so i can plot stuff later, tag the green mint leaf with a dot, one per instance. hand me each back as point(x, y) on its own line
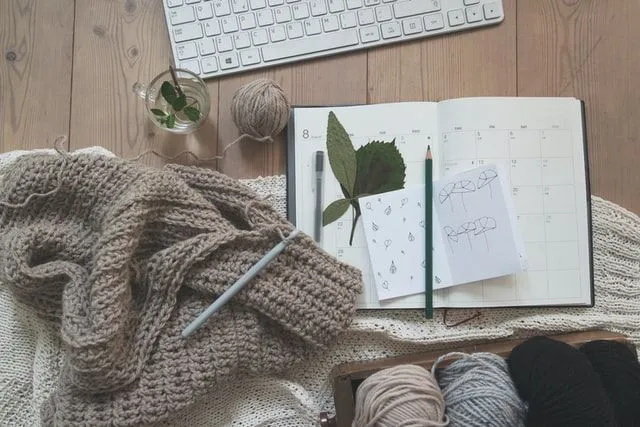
point(192, 113)
point(168, 92)
point(342, 155)
point(380, 168)
point(171, 121)
point(179, 103)
point(158, 112)
point(334, 211)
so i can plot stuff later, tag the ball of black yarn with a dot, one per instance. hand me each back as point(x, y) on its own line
point(619, 372)
point(559, 385)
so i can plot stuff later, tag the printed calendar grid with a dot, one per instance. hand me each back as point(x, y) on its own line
point(509, 135)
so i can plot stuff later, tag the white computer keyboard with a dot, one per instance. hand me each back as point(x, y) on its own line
point(220, 37)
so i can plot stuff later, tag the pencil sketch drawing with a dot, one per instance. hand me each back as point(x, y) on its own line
point(477, 227)
point(485, 179)
point(460, 188)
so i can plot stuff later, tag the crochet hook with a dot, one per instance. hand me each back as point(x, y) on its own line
point(238, 285)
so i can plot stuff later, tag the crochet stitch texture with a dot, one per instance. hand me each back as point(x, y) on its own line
point(121, 257)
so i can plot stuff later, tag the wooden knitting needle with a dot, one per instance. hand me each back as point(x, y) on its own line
point(238, 285)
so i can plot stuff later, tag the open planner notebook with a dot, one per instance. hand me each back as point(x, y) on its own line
point(538, 143)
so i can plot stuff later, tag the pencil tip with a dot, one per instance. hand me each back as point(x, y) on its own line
point(428, 155)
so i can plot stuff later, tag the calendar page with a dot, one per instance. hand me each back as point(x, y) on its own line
point(412, 125)
point(540, 143)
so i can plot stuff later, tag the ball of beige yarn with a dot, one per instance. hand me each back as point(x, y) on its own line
point(404, 395)
point(260, 109)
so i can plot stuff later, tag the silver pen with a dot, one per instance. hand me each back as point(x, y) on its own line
point(319, 168)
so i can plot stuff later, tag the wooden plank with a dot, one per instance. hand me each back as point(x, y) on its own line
point(36, 41)
point(347, 375)
point(470, 63)
point(118, 44)
point(336, 80)
point(586, 49)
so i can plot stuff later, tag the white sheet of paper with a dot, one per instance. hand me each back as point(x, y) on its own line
point(477, 225)
point(394, 230)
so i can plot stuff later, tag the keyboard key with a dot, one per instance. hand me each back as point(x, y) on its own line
point(276, 2)
point(241, 40)
point(371, 2)
point(369, 34)
point(247, 21)
point(229, 24)
point(388, 1)
point(300, 11)
point(470, 2)
point(455, 17)
point(204, 11)
point(312, 26)
point(354, 4)
point(221, 7)
point(259, 37)
point(283, 14)
point(193, 66)
point(277, 33)
point(250, 56)
point(336, 6)
point(181, 15)
point(330, 23)
point(265, 17)
point(348, 20)
point(206, 46)
point(186, 51)
point(212, 27)
point(295, 30)
point(258, 4)
point(209, 65)
point(228, 61)
point(390, 30)
point(433, 22)
point(292, 1)
point(365, 17)
point(192, 1)
point(492, 10)
point(239, 6)
point(415, 7)
point(292, 48)
point(383, 13)
point(224, 43)
point(473, 14)
point(412, 26)
point(318, 7)
point(186, 32)
point(174, 3)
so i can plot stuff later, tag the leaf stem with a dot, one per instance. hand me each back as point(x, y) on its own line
point(175, 81)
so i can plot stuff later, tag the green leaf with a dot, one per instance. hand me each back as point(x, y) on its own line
point(334, 211)
point(192, 113)
point(171, 121)
point(168, 92)
point(158, 112)
point(342, 155)
point(179, 103)
point(380, 168)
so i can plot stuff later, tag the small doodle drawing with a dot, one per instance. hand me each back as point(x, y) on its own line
point(374, 226)
point(368, 206)
point(404, 219)
point(479, 226)
point(387, 243)
point(411, 237)
point(385, 285)
point(483, 225)
point(421, 223)
point(393, 268)
point(486, 178)
point(388, 210)
point(459, 187)
point(403, 202)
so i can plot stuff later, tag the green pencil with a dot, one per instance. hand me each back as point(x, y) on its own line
point(428, 226)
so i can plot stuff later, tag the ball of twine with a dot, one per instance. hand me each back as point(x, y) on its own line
point(404, 395)
point(478, 391)
point(260, 109)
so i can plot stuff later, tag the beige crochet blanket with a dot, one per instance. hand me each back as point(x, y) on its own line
point(30, 356)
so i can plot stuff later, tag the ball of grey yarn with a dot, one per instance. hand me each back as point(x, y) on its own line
point(478, 391)
point(403, 395)
point(260, 109)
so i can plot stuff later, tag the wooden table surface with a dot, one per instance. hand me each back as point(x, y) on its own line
point(68, 67)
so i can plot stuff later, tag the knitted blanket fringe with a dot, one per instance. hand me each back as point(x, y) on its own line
point(31, 356)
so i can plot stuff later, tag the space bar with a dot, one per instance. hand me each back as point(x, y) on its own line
point(327, 41)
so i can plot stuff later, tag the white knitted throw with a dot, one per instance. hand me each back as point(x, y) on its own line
point(30, 354)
